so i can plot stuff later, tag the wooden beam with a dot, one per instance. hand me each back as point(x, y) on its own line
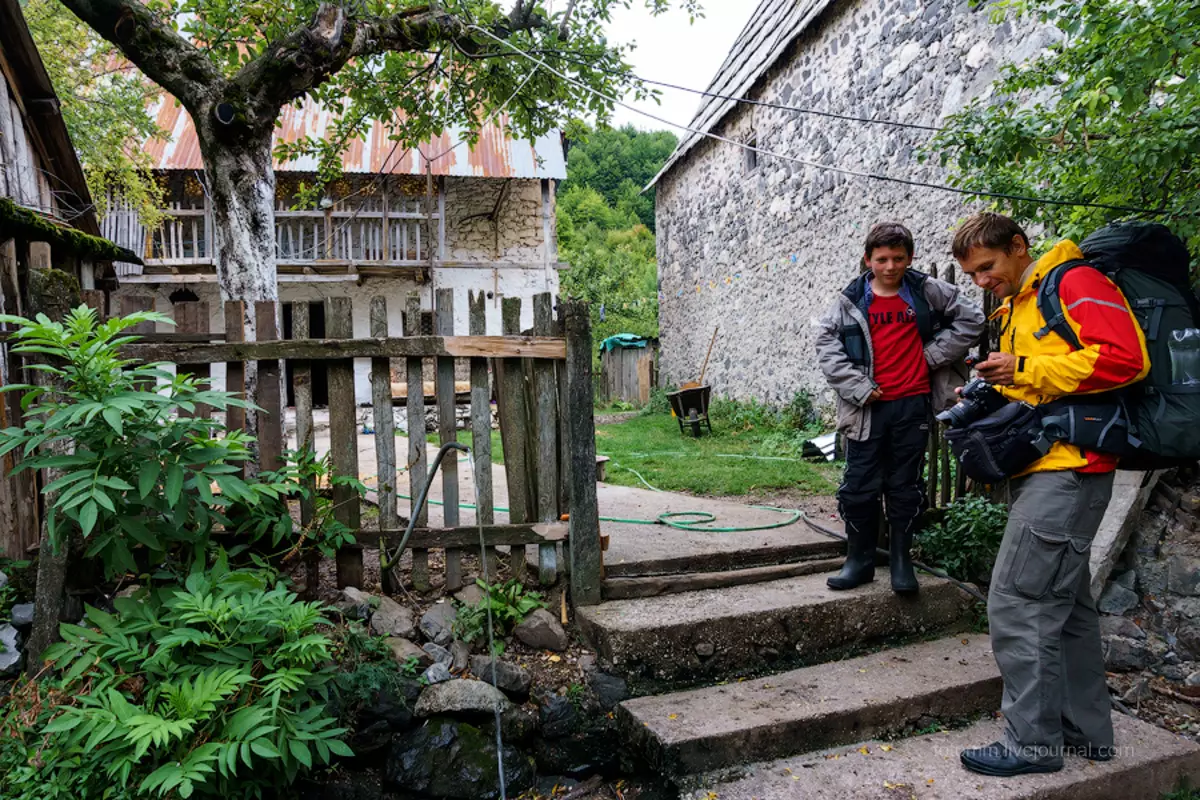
point(338, 349)
point(586, 563)
point(343, 440)
point(468, 536)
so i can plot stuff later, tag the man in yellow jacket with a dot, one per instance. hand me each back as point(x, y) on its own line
point(1044, 625)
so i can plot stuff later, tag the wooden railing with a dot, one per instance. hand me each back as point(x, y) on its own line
point(543, 387)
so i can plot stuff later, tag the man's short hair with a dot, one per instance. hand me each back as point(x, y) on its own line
point(890, 234)
point(988, 230)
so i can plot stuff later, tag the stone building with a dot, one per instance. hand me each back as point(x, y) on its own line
point(759, 245)
point(435, 216)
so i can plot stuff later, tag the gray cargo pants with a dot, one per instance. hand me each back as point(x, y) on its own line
point(1044, 626)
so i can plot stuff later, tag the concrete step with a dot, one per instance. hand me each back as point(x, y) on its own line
point(737, 630)
point(655, 585)
point(807, 709)
point(1149, 762)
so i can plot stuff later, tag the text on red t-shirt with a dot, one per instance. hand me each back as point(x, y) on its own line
point(900, 368)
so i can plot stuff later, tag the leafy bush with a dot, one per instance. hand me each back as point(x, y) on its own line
point(142, 470)
point(510, 603)
point(215, 689)
point(965, 541)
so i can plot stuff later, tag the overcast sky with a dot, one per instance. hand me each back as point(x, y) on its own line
point(671, 50)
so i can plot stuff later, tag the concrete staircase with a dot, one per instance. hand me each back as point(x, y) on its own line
point(783, 689)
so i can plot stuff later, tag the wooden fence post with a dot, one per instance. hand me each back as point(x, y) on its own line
point(514, 417)
point(546, 419)
point(302, 386)
point(385, 431)
point(417, 459)
point(235, 371)
point(343, 439)
point(192, 317)
point(481, 428)
point(443, 325)
point(586, 565)
point(270, 419)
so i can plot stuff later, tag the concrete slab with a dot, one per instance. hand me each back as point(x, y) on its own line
point(1131, 491)
point(1151, 761)
point(807, 709)
point(633, 549)
point(719, 633)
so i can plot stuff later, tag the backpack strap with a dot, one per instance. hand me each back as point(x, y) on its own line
point(1050, 304)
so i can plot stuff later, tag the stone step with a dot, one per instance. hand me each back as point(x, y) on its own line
point(807, 709)
point(737, 630)
point(1149, 762)
point(655, 585)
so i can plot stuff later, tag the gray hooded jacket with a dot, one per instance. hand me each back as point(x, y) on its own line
point(950, 324)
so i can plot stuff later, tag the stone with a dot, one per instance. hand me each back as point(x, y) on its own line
point(10, 655)
point(610, 690)
point(1190, 502)
point(1128, 579)
point(509, 677)
point(460, 653)
point(978, 54)
point(1117, 600)
point(461, 697)
point(1193, 679)
point(392, 619)
point(1120, 626)
point(1183, 575)
point(371, 738)
point(439, 654)
point(129, 591)
point(344, 784)
point(22, 615)
point(1126, 655)
point(437, 622)
point(3, 580)
point(456, 760)
point(437, 674)
point(1172, 672)
point(587, 663)
point(469, 595)
point(355, 604)
point(705, 649)
point(541, 630)
point(1139, 692)
point(558, 716)
point(403, 651)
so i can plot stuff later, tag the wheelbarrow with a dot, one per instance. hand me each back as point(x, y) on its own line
point(690, 407)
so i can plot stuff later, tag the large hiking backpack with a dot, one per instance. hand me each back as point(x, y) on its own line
point(1152, 268)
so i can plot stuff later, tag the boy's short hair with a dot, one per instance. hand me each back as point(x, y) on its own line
point(989, 230)
point(889, 234)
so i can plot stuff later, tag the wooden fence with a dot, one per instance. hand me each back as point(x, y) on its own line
point(628, 373)
point(944, 482)
point(542, 383)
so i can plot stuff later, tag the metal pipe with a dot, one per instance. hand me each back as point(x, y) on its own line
point(386, 563)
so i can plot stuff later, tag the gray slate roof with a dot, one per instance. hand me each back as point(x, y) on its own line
point(773, 26)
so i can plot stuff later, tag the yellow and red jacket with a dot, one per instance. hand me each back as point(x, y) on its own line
point(1113, 355)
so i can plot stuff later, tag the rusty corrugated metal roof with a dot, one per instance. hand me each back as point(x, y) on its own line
point(495, 155)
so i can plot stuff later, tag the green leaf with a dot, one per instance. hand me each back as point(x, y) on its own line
point(300, 752)
point(113, 417)
point(148, 476)
point(339, 748)
point(174, 484)
point(87, 517)
point(264, 748)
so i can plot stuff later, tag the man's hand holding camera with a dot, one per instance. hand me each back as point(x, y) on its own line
point(1000, 369)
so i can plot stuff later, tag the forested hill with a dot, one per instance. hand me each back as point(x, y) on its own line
point(606, 227)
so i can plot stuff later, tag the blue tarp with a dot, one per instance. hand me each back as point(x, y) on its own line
point(623, 340)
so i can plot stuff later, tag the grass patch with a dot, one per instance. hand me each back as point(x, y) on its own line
point(715, 464)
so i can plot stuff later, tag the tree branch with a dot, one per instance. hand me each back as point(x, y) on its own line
point(158, 51)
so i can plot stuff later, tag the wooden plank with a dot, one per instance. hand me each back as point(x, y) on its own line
point(465, 537)
point(385, 430)
point(302, 389)
point(564, 453)
point(417, 458)
point(235, 369)
point(586, 564)
point(192, 318)
point(270, 418)
point(514, 417)
point(343, 439)
point(655, 585)
point(481, 430)
point(95, 298)
point(443, 321)
point(538, 347)
point(132, 303)
point(546, 420)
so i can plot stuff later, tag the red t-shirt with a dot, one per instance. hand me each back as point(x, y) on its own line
point(900, 368)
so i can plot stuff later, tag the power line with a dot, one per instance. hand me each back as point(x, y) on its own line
point(830, 167)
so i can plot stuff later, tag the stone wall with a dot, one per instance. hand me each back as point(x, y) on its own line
point(761, 249)
point(517, 233)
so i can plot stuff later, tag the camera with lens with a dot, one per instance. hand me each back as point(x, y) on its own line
point(979, 400)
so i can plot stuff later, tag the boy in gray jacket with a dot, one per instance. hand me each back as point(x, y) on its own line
point(891, 346)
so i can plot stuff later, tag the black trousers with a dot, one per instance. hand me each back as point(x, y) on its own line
point(888, 464)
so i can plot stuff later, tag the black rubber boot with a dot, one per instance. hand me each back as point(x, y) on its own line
point(904, 577)
point(860, 556)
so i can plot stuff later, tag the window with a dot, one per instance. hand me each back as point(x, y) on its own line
point(751, 154)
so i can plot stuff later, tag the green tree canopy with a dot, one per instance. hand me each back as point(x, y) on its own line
point(1109, 114)
point(618, 163)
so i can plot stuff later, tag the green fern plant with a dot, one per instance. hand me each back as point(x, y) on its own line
point(215, 689)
